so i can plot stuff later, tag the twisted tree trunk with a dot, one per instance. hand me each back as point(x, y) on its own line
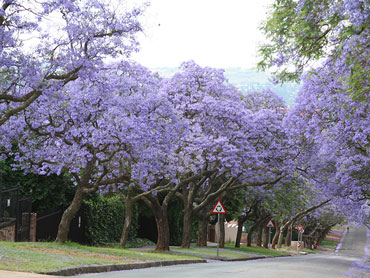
point(186, 228)
point(127, 223)
point(202, 228)
point(288, 240)
point(241, 221)
point(69, 214)
point(276, 235)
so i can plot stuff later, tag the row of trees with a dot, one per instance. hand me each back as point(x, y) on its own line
point(117, 127)
point(328, 42)
point(192, 135)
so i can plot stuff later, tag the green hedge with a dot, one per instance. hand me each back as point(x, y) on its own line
point(103, 220)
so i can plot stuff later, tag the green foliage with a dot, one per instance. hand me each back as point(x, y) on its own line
point(175, 219)
point(104, 218)
point(235, 203)
point(298, 37)
point(47, 191)
point(175, 222)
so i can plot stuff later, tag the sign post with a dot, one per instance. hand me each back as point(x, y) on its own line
point(300, 236)
point(218, 209)
point(270, 224)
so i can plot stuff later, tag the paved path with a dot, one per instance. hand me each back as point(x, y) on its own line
point(12, 274)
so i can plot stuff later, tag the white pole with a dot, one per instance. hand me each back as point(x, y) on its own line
point(298, 241)
point(269, 238)
point(218, 233)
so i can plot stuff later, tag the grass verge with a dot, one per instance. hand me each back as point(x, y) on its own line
point(48, 256)
point(229, 252)
point(329, 244)
point(259, 251)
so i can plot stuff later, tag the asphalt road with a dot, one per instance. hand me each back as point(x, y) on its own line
point(351, 260)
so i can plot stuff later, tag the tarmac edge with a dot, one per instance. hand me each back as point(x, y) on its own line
point(116, 267)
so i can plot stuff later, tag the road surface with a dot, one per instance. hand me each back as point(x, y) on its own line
point(352, 259)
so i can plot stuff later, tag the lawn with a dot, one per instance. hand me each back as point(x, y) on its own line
point(259, 251)
point(229, 252)
point(329, 244)
point(48, 256)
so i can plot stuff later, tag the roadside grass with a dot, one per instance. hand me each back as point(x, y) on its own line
point(48, 256)
point(329, 244)
point(210, 253)
point(338, 227)
point(258, 250)
point(229, 252)
point(134, 243)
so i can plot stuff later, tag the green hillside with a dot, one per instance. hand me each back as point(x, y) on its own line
point(250, 80)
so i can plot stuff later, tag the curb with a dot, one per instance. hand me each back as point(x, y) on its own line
point(242, 259)
point(248, 259)
point(116, 267)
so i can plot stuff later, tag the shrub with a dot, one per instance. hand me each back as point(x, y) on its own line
point(104, 217)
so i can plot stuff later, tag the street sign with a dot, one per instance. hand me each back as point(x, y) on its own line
point(219, 208)
point(270, 224)
point(300, 228)
point(299, 244)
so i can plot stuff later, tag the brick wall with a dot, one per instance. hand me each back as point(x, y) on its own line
point(7, 233)
point(33, 225)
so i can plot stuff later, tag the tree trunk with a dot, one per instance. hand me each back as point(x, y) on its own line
point(202, 231)
point(276, 235)
point(288, 240)
point(241, 220)
point(259, 236)
point(266, 235)
point(281, 235)
point(222, 231)
point(186, 228)
point(250, 234)
point(163, 240)
point(69, 214)
point(127, 223)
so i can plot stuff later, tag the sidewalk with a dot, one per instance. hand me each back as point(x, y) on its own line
point(12, 274)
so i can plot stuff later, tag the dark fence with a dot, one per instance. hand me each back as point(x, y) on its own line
point(48, 223)
point(16, 208)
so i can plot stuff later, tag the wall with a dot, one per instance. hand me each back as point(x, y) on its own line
point(7, 231)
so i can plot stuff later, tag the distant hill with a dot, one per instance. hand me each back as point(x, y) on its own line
point(250, 80)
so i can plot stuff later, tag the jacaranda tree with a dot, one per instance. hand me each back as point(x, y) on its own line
point(228, 145)
point(328, 42)
point(45, 45)
point(300, 34)
point(113, 129)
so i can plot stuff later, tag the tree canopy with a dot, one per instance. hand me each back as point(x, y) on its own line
point(45, 45)
point(301, 34)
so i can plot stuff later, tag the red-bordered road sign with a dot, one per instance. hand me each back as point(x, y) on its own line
point(219, 208)
point(270, 224)
point(300, 228)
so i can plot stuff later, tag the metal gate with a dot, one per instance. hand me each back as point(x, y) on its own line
point(16, 208)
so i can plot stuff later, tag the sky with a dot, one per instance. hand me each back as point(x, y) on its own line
point(215, 33)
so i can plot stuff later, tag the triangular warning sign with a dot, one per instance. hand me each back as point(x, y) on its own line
point(219, 208)
point(270, 224)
